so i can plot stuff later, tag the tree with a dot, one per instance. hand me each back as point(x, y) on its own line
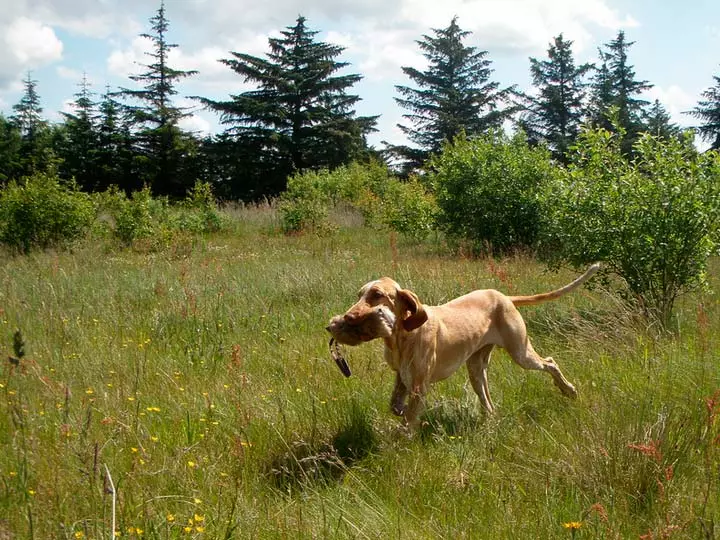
point(115, 155)
point(10, 143)
point(657, 122)
point(614, 92)
point(454, 94)
point(708, 112)
point(79, 144)
point(159, 139)
point(299, 117)
point(651, 221)
point(554, 115)
point(36, 154)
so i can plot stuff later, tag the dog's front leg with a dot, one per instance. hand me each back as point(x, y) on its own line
point(415, 406)
point(399, 394)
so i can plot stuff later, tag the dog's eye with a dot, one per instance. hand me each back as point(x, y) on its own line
point(375, 294)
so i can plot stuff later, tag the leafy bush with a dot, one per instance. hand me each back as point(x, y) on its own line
point(142, 217)
point(305, 203)
point(488, 190)
point(40, 212)
point(653, 221)
point(367, 187)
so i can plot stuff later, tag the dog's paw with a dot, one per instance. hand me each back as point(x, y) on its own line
point(398, 409)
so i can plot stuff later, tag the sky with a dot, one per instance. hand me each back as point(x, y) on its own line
point(677, 44)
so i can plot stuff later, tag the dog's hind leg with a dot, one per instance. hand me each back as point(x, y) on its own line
point(526, 357)
point(477, 366)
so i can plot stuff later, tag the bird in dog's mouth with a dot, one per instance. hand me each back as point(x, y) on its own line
point(377, 323)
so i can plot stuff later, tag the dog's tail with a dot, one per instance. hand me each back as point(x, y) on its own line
point(544, 297)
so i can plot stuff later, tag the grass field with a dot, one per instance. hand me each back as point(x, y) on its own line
point(198, 379)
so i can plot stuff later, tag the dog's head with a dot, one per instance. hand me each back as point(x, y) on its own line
point(383, 309)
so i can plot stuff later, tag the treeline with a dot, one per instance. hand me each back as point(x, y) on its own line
point(301, 115)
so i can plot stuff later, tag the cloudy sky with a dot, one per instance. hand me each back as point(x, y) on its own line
point(677, 43)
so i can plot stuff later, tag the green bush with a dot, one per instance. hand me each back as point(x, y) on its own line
point(488, 190)
point(653, 221)
point(368, 187)
point(40, 212)
point(306, 202)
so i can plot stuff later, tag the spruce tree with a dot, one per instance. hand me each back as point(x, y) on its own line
point(159, 139)
point(79, 144)
point(300, 115)
point(615, 91)
point(115, 161)
point(658, 122)
point(555, 113)
point(36, 153)
point(454, 94)
point(10, 143)
point(708, 112)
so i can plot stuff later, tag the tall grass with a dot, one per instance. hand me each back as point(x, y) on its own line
point(201, 378)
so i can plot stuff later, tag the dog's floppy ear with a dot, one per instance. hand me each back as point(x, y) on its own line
point(410, 302)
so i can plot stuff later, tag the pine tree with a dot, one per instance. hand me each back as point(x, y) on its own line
point(454, 94)
point(10, 143)
point(79, 146)
point(708, 112)
point(159, 139)
point(615, 92)
point(115, 147)
point(36, 154)
point(658, 122)
point(555, 113)
point(300, 116)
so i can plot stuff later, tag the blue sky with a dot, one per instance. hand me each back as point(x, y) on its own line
point(677, 44)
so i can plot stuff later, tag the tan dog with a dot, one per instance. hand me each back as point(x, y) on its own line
point(425, 344)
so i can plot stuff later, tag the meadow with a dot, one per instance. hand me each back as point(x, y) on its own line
point(193, 384)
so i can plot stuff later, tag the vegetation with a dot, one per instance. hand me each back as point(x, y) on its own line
point(488, 191)
point(708, 112)
point(301, 116)
point(454, 95)
point(197, 382)
point(653, 221)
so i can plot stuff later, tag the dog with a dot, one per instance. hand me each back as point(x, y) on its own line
point(425, 344)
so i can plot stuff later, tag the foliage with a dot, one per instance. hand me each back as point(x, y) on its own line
point(167, 152)
point(653, 221)
point(405, 207)
point(455, 94)
point(300, 117)
point(142, 217)
point(555, 114)
point(708, 112)
point(40, 212)
point(488, 190)
point(614, 103)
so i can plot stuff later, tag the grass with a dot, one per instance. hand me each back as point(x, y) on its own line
point(200, 376)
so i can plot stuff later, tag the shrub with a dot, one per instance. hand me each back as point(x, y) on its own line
point(408, 208)
point(305, 203)
point(40, 212)
point(368, 187)
point(653, 221)
point(488, 190)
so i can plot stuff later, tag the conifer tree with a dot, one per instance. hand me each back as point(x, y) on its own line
point(10, 143)
point(554, 114)
point(115, 147)
point(708, 112)
point(300, 115)
point(36, 153)
point(616, 91)
point(658, 122)
point(79, 143)
point(454, 94)
point(158, 138)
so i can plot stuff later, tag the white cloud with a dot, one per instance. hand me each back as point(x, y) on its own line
point(31, 42)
